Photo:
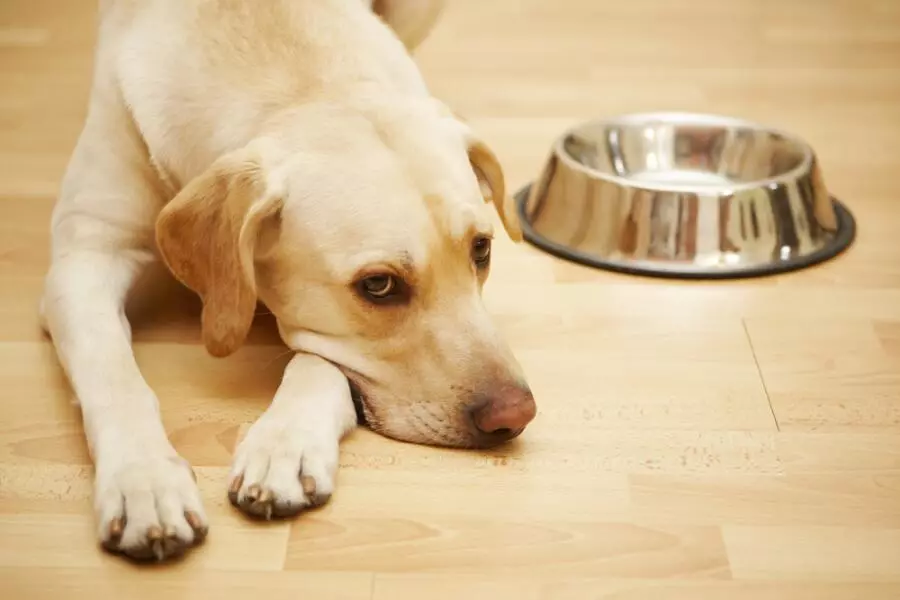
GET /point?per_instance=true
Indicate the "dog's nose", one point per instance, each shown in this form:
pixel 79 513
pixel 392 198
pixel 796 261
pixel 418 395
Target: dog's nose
pixel 506 413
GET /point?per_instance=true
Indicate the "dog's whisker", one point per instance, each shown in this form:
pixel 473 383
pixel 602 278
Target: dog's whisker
pixel 276 359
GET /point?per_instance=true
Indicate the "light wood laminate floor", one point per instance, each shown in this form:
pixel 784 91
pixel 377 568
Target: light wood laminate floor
pixel 694 440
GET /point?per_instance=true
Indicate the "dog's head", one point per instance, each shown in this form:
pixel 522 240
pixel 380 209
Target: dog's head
pixel 369 239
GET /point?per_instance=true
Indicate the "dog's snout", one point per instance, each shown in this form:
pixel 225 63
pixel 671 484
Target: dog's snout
pixel 504 414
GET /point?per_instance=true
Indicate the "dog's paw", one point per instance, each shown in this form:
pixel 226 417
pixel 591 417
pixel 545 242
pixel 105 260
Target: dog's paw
pixel 279 471
pixel 150 508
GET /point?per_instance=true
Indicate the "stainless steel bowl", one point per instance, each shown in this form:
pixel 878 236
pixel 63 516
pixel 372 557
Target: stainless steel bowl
pixel 684 195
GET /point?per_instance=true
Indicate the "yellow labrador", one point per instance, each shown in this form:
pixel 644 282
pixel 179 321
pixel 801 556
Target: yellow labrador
pixel 284 152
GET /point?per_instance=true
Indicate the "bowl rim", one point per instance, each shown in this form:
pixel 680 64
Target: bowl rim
pixel 693 118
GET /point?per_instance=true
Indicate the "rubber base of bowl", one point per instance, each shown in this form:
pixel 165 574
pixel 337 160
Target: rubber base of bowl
pixel 846 234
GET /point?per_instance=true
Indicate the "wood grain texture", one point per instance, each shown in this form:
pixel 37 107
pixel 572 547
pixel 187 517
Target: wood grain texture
pixel 442 587
pixel 695 440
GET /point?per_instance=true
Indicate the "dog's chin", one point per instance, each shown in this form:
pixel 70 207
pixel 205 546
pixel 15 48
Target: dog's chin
pixel 367 416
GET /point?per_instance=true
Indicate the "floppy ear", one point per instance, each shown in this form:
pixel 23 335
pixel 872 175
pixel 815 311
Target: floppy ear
pixel 207 236
pixel 493 185
pixel 411 21
pixel 489 173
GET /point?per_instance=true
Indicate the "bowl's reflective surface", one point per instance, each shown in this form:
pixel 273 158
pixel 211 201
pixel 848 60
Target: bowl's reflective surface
pixel 684 195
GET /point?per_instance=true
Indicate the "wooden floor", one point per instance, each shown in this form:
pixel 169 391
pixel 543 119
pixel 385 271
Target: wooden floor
pixel 728 440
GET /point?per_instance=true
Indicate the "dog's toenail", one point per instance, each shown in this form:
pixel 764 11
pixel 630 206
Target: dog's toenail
pixel 155 533
pixel 193 520
pixel 253 492
pixel 116 527
pixel 200 530
pixel 309 486
pixel 159 550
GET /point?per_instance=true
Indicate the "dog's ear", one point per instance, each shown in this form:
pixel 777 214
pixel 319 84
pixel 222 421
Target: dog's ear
pixel 488 171
pixel 207 236
pixel 493 185
pixel 410 21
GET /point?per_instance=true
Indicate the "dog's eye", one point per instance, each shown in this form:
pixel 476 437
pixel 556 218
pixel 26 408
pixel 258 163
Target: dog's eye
pixel 481 251
pixel 379 288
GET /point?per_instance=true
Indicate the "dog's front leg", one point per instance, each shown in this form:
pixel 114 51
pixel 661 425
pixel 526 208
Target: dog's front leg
pixel 288 460
pixel 146 500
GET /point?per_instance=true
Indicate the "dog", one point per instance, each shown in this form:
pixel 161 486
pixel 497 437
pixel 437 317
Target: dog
pixel 284 153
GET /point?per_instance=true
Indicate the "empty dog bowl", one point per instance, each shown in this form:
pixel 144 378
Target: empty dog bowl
pixel 684 195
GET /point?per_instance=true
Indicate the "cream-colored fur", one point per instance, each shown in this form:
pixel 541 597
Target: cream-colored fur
pixel 284 152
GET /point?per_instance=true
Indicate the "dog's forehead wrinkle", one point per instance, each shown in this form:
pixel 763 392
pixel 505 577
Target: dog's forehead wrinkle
pixel 457 221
